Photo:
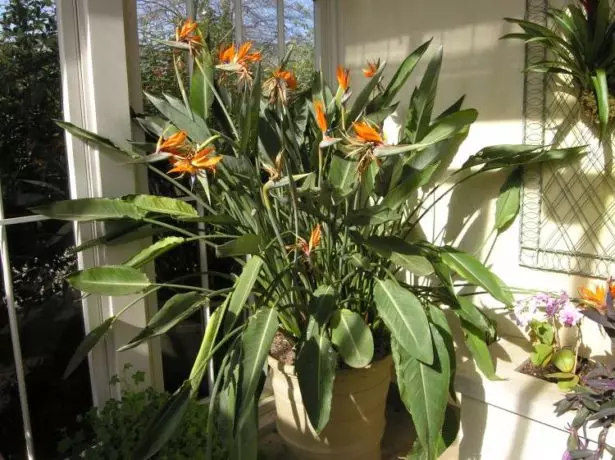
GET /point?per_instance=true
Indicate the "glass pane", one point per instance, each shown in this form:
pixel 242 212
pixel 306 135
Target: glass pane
pixel 51 327
pixel 32 161
pixel 260 26
pixel 299 33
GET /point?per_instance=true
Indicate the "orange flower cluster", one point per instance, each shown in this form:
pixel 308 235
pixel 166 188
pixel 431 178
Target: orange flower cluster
pixel 343 78
pixel 597 296
pixel 371 69
pixel 184 158
pixel 307 247
pixel 241 56
pixel 188 33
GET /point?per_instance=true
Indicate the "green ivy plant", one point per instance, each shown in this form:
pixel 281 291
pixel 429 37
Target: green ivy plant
pixel 113 431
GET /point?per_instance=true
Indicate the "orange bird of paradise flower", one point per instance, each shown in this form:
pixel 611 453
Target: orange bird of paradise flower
pixel 174 144
pixel 343 78
pixel 371 69
pixel 231 55
pixel 192 164
pixel 366 133
pixel 321 119
pixel 188 33
pixel 307 247
pixel 287 77
pixel 596 296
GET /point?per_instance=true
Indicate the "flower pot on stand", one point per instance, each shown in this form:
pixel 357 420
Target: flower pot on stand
pixel 357 421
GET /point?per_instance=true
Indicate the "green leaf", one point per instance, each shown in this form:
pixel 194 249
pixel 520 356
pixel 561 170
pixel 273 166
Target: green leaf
pixel 163 424
pixel 153 251
pixel 402 74
pixel 564 360
pixel 471 269
pixel 109 280
pixel 249 117
pixel 475 342
pixel 242 246
pixel 424 389
pixel 504 156
pixel 343 173
pixel 201 95
pixel 401 253
pixel 601 90
pixel 205 350
pixel 375 215
pixel 86 345
pixel 509 201
pixel 245 444
pixel 352 338
pixel 255 343
pixel 450 429
pixel 402 192
pixel 363 97
pixel 405 318
pixel 322 304
pixel 193 124
pixel 471 314
pixel 174 311
pixel 315 368
pixel 164 205
pixel 542 354
pixel 423 99
pixel 88 209
pixel 93 138
pixel 242 289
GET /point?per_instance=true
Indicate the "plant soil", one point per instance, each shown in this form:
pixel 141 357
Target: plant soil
pixel 584 366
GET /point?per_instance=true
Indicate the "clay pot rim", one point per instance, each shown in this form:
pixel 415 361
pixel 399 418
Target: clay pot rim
pixel 289 369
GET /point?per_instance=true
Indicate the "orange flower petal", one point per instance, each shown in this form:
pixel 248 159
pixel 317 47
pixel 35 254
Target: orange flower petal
pixel 172 143
pixel 366 133
pixel 343 77
pixel 243 50
pixel 321 119
pixel 314 238
pixel 371 69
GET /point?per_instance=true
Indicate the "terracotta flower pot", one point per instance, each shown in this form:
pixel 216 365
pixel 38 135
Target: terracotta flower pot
pixel 357 418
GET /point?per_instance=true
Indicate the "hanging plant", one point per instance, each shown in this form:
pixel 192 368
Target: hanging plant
pixel 581 49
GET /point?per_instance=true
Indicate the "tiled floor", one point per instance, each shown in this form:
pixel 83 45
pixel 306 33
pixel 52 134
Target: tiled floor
pixel 396 443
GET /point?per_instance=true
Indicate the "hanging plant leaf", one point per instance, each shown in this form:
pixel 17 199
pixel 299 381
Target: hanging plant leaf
pixel 89 209
pixel 509 201
pixel 86 345
pixel 164 205
pixel 153 251
pixel 241 291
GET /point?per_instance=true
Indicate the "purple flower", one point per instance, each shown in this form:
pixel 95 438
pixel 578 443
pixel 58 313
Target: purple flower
pixel 525 311
pixel 567 456
pixel 569 315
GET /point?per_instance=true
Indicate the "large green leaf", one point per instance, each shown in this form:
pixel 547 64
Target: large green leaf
pixel 450 429
pixel 174 311
pixel 242 289
pixel 509 201
pixel 401 253
pixel 93 138
pixel 193 124
pixel 153 251
pixel 343 173
pixel 322 304
pixel 475 341
pixel 401 193
pixel 163 424
pixel 470 268
pixel 362 98
pixel 402 74
pixel 255 344
pixel 245 444
pixel 504 156
pixel 87 209
pixel 242 246
pixel 205 350
pixel 315 367
pixel 86 345
pixel 352 338
pixel 424 390
pixel 470 313
pixel 405 318
pixel 249 115
pixel 601 90
pixel 109 280
pixel 164 205
pixel 201 95
pixel 423 99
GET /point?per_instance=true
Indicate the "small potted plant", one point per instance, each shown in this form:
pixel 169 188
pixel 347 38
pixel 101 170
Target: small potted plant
pixel 581 50
pixel 321 212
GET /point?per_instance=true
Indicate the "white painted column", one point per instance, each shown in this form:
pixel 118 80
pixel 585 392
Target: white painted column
pixel 95 83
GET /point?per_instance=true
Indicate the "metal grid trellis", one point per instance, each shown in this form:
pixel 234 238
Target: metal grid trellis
pixel 568 213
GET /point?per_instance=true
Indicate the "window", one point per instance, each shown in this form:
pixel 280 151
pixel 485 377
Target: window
pixel 41 321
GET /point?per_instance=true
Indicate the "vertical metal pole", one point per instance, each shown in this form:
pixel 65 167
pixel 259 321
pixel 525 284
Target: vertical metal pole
pixel 238 20
pixel 7 280
pixel 281 30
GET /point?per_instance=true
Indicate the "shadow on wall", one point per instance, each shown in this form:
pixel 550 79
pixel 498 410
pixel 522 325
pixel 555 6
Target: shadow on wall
pixel 476 62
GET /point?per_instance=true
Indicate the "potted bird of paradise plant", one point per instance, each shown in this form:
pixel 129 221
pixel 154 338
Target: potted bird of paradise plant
pixel 322 213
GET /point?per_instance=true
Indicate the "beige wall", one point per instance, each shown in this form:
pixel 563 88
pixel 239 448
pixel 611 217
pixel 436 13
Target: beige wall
pixel 488 72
